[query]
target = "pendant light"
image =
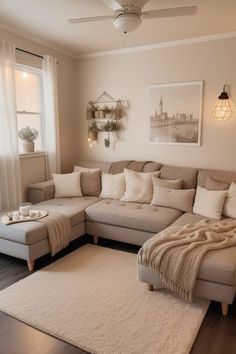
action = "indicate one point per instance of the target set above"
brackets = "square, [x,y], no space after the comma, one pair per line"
[223,107]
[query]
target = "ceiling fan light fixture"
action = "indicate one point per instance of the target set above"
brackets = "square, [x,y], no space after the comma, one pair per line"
[127,22]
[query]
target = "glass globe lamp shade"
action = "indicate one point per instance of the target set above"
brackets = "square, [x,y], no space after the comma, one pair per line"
[127,23]
[223,108]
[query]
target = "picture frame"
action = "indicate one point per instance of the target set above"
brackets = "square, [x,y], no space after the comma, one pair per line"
[175,113]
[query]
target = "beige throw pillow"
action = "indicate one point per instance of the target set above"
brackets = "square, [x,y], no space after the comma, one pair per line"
[91,183]
[180,199]
[214,185]
[139,187]
[167,183]
[67,185]
[113,186]
[90,180]
[230,202]
[209,203]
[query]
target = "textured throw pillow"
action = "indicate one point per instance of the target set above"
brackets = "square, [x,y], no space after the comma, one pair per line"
[91,183]
[67,185]
[180,199]
[214,185]
[167,183]
[85,169]
[209,203]
[113,186]
[139,187]
[230,202]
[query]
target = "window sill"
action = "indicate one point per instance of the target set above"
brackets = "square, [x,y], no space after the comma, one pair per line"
[32,154]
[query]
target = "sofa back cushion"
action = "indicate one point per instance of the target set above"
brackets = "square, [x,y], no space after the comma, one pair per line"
[137,166]
[218,175]
[214,185]
[188,175]
[151,167]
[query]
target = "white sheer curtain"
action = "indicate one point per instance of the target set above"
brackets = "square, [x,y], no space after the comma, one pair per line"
[10,177]
[50,116]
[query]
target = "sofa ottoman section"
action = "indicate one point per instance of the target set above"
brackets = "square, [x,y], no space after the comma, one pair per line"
[29,240]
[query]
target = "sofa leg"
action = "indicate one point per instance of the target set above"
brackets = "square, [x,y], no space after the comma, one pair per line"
[95,240]
[224,309]
[150,287]
[30,265]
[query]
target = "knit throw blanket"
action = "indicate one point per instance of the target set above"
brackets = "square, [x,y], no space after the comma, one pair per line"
[176,253]
[59,229]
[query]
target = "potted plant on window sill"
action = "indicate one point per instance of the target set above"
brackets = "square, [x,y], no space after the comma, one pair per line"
[28,135]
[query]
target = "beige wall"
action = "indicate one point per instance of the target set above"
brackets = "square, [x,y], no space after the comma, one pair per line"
[127,76]
[31,170]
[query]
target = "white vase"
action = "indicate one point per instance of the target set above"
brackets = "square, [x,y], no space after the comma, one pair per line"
[27,147]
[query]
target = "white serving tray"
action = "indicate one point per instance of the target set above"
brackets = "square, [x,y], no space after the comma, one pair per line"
[6,221]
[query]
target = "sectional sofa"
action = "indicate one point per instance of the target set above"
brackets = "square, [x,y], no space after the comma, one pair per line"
[128,222]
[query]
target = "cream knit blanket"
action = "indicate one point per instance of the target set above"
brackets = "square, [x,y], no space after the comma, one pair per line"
[59,229]
[176,253]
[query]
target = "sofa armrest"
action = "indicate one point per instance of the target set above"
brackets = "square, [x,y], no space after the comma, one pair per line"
[39,192]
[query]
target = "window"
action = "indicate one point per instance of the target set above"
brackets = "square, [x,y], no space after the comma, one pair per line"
[29,101]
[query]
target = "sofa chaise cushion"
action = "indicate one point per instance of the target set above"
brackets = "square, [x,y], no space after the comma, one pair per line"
[137,216]
[33,231]
[218,266]
[74,208]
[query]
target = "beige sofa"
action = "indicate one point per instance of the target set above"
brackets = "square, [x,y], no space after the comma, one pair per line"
[127,222]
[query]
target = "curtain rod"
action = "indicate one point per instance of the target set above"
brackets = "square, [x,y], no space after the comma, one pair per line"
[27,52]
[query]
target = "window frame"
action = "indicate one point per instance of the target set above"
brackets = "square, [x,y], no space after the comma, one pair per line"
[39,73]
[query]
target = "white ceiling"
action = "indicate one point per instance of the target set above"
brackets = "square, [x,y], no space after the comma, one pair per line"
[47,20]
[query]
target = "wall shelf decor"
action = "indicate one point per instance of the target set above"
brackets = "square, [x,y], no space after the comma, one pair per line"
[104,115]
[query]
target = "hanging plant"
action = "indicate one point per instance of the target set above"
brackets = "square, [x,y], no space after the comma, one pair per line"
[111,126]
[107,142]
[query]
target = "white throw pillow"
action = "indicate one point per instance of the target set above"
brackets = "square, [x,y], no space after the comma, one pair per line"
[209,203]
[67,185]
[230,202]
[139,187]
[85,169]
[113,186]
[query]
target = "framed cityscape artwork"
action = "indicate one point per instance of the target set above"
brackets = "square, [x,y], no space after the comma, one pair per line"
[175,113]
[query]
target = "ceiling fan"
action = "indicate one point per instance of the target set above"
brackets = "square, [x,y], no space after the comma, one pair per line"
[128,15]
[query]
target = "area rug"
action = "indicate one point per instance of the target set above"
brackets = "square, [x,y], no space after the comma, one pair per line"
[92,298]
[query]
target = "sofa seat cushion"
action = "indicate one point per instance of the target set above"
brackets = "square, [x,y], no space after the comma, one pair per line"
[138,216]
[217,266]
[33,231]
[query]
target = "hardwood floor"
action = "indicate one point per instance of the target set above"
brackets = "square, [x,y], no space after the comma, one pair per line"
[216,336]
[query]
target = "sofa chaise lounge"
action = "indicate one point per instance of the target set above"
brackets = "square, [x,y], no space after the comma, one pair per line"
[127,222]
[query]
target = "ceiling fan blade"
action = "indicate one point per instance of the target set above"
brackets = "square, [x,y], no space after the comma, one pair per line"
[113,4]
[89,19]
[171,12]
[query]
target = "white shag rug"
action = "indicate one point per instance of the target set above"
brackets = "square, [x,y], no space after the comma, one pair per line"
[92,298]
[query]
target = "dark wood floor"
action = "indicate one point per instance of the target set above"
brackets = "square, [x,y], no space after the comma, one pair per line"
[216,336]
